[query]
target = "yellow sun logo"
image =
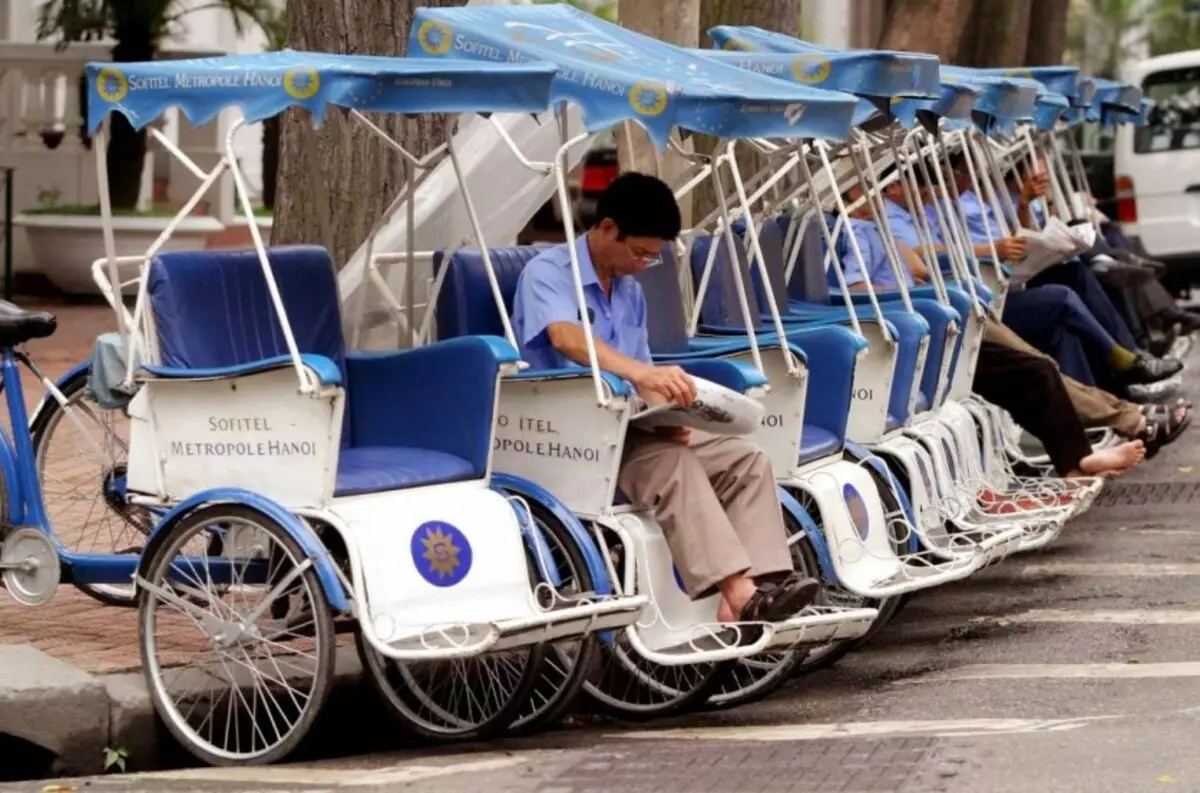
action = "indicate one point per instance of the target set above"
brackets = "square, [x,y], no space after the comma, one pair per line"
[736,45]
[1024,74]
[811,68]
[440,552]
[435,37]
[648,99]
[302,83]
[111,84]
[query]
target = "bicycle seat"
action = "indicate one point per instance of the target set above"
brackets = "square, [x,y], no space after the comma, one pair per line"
[18,326]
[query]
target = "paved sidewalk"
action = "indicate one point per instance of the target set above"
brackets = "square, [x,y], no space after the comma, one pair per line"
[73,627]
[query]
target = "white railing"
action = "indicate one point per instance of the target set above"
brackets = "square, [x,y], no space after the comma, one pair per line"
[39,93]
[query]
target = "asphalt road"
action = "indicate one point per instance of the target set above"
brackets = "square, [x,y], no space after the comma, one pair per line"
[1072,669]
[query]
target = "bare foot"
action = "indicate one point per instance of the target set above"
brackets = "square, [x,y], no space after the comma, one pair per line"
[1115,458]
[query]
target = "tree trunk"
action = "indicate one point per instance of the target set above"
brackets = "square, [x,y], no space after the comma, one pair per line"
[1047,33]
[126,153]
[270,160]
[930,26]
[996,33]
[335,181]
[675,22]
[781,16]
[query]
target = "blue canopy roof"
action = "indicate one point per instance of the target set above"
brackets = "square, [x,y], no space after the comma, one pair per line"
[265,84]
[868,73]
[1004,98]
[1113,94]
[1056,79]
[615,75]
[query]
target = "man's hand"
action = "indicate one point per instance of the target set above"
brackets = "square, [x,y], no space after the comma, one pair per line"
[680,434]
[1035,186]
[1011,249]
[669,383]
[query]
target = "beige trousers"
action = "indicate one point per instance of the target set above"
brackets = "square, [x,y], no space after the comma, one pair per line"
[1094,406]
[715,500]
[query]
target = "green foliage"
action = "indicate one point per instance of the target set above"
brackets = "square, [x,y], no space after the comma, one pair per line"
[1103,34]
[115,758]
[143,23]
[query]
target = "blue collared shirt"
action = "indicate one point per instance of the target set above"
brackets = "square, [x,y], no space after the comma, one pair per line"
[974,211]
[904,227]
[870,242]
[546,295]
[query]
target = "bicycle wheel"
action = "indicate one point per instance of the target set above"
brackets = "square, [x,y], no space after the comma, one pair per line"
[81,450]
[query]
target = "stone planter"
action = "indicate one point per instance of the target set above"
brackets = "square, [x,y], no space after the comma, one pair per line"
[65,246]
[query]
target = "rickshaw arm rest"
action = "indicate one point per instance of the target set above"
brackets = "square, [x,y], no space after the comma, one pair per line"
[326,371]
[832,351]
[619,387]
[739,376]
[708,347]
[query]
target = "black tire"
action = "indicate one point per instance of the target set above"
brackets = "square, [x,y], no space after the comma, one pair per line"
[751,679]
[564,668]
[42,431]
[322,633]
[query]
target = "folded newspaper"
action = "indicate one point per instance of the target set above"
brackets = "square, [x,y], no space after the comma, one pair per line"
[1054,244]
[716,409]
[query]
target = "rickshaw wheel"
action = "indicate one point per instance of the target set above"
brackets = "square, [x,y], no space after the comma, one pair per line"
[631,688]
[72,496]
[276,671]
[833,594]
[751,679]
[567,664]
[423,695]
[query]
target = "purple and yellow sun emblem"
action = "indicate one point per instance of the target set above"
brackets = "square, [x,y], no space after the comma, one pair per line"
[441,553]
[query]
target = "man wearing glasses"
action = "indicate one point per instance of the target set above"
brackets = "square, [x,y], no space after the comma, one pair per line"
[714,496]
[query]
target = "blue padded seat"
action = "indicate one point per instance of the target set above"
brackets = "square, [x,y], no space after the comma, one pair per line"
[816,443]
[213,313]
[373,469]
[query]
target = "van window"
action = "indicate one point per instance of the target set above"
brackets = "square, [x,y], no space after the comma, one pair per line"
[1174,123]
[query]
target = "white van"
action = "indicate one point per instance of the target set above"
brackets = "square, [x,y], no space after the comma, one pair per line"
[1157,167]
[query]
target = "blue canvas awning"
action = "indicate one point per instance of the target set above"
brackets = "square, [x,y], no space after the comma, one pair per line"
[617,75]
[265,84]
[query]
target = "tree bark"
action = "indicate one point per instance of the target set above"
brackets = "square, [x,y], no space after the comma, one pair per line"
[930,26]
[1047,33]
[996,33]
[781,16]
[675,22]
[335,181]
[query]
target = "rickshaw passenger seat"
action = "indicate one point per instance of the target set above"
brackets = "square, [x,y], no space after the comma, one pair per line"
[213,311]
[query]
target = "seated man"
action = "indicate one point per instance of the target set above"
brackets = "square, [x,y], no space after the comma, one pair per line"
[1031,389]
[714,496]
[1155,425]
[1051,317]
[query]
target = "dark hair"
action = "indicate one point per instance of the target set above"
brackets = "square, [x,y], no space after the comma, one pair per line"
[641,206]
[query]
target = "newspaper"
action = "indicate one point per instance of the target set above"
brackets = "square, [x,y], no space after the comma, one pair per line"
[1054,244]
[716,409]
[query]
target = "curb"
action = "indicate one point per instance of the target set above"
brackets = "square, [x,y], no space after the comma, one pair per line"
[60,719]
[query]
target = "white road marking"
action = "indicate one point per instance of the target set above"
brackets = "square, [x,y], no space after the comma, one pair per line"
[1112,569]
[339,777]
[1059,671]
[1131,617]
[815,732]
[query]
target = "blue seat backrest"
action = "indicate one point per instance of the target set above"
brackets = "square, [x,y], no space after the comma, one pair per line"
[771,239]
[212,308]
[466,306]
[721,306]
[808,282]
[666,324]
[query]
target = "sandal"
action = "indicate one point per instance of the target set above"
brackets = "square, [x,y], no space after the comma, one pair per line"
[1163,426]
[778,602]
[1182,402]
